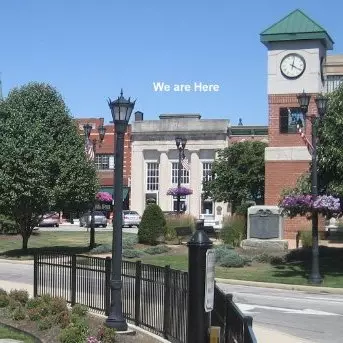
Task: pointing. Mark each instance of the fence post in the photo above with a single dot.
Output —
(108, 265)
(73, 280)
(138, 281)
(35, 275)
(166, 309)
(198, 319)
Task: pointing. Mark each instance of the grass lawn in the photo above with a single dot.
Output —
(71, 242)
(11, 334)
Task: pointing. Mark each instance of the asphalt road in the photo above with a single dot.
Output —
(77, 228)
(315, 317)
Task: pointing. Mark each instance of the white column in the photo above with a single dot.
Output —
(195, 184)
(137, 181)
(165, 182)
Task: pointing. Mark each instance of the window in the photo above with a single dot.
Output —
(206, 206)
(175, 173)
(207, 171)
(152, 179)
(333, 82)
(183, 204)
(290, 118)
(102, 162)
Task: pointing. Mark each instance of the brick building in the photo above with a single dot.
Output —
(297, 61)
(105, 156)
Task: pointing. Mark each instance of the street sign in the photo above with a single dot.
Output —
(209, 281)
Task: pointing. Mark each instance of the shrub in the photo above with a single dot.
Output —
(79, 310)
(92, 339)
(34, 314)
(46, 298)
(232, 259)
(74, 333)
(181, 220)
(106, 334)
(46, 323)
(34, 303)
(152, 225)
(132, 253)
(8, 226)
(58, 305)
(2, 291)
(130, 242)
(4, 300)
(269, 258)
(222, 250)
(19, 295)
(13, 304)
(306, 239)
(233, 231)
(63, 319)
(102, 249)
(158, 249)
(18, 313)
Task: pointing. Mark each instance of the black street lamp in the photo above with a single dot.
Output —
(180, 144)
(321, 102)
(121, 110)
(87, 128)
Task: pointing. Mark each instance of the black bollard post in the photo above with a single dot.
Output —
(198, 317)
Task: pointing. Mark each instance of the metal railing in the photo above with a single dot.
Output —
(154, 298)
(235, 327)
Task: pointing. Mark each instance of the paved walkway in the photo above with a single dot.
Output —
(9, 340)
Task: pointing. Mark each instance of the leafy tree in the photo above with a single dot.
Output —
(43, 163)
(238, 174)
(152, 225)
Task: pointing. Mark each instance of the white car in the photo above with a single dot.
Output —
(131, 218)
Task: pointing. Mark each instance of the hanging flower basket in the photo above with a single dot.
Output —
(179, 191)
(104, 197)
(305, 205)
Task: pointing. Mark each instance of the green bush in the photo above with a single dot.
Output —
(152, 225)
(306, 239)
(79, 310)
(18, 313)
(102, 249)
(58, 305)
(2, 291)
(8, 226)
(233, 230)
(63, 319)
(269, 258)
(34, 303)
(130, 242)
(4, 300)
(106, 334)
(75, 332)
(34, 314)
(19, 295)
(172, 222)
(221, 250)
(158, 249)
(46, 323)
(132, 253)
(232, 259)
(13, 304)
(46, 298)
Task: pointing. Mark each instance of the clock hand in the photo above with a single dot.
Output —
(295, 67)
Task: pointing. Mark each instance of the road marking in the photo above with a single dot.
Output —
(247, 308)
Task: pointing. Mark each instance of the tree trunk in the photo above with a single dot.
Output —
(25, 241)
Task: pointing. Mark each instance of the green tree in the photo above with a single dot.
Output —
(43, 163)
(152, 225)
(238, 174)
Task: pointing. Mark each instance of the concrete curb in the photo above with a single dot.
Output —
(3, 260)
(311, 289)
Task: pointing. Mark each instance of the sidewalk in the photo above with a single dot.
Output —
(263, 334)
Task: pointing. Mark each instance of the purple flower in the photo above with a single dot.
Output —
(92, 339)
(179, 191)
(104, 196)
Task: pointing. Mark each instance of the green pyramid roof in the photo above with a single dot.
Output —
(296, 26)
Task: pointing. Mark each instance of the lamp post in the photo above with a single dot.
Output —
(321, 102)
(87, 128)
(121, 110)
(180, 144)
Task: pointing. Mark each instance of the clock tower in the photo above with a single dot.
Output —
(297, 47)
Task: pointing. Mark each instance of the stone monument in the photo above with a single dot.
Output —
(265, 229)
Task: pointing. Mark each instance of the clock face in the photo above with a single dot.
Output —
(292, 66)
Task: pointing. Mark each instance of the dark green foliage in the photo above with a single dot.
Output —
(233, 230)
(8, 225)
(222, 250)
(43, 163)
(75, 332)
(152, 225)
(130, 242)
(18, 313)
(46, 323)
(102, 249)
(63, 319)
(34, 303)
(4, 300)
(158, 249)
(306, 239)
(239, 174)
(3, 292)
(21, 296)
(265, 257)
(58, 305)
(106, 334)
(79, 310)
(34, 314)
(232, 259)
(132, 253)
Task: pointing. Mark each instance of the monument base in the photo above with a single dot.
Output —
(268, 245)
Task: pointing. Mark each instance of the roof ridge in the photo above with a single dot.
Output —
(279, 21)
(310, 19)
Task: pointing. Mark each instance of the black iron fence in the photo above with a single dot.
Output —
(235, 327)
(153, 297)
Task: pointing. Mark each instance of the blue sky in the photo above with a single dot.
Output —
(89, 49)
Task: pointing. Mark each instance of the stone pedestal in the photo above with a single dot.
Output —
(268, 245)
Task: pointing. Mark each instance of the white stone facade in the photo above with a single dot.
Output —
(155, 162)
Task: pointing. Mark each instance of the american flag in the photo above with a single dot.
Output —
(89, 150)
(185, 163)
